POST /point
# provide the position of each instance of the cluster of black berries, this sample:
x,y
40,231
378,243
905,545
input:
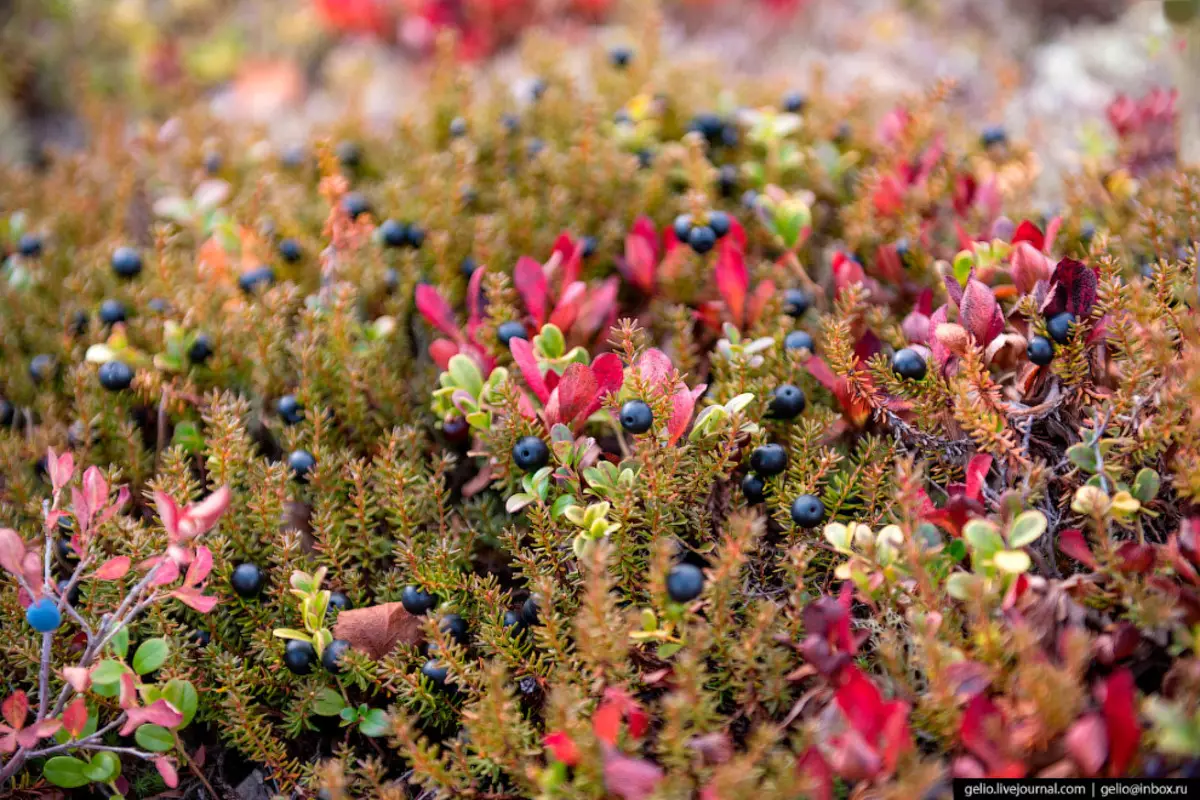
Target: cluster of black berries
x,y
702,237
396,233
1041,349
767,461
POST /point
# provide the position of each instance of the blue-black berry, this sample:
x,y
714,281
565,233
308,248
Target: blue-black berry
x,y
908,364
1059,327
796,302
1040,350
112,311
290,410
754,488
301,463
458,127
332,656
393,233
682,226
794,102
531,611
727,180
416,236
290,250
720,222
42,368
127,262
436,672
8,413
768,459
355,204
417,602
29,245
620,56
787,402
808,511
636,417
455,627
348,153
993,135
685,582
339,600
115,375
201,349
530,453
702,239
799,340
299,656
247,579
255,279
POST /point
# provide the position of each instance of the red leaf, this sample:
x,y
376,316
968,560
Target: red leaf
x,y
683,403
168,512
441,351
533,287
630,778
562,747
980,723
475,300
193,598
1120,717
733,281
574,394
115,507
160,712
599,309
166,768
61,468
758,301
1072,288
977,470
1135,558
113,569
815,770
95,489
1028,232
12,551
1029,266
526,361
570,253
29,737
606,722
860,700
15,708
168,572
1087,742
199,518
437,311
846,272
1073,543
567,309
610,376
201,565
75,717
979,312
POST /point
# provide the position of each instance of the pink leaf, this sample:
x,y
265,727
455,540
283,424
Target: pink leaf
x,y
437,311
683,403
1073,543
199,518
15,708
113,569
95,488
522,353
1028,267
115,508
1087,742
815,770
610,376
78,677
979,312
630,778
599,308
941,353
570,253
533,287
168,512
475,300
29,737
12,551
81,507
441,351
575,392
166,768
733,281
75,717
1120,717
1051,233
168,572
641,255
567,309
758,301
916,327
977,470
980,722
1028,232
201,565
160,712
192,598
127,697
61,468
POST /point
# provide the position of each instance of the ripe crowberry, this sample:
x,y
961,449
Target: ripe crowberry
x,y
702,239
299,656
212,163
42,368
290,250
436,672
355,204
247,579
78,324
787,402
349,154
126,262
796,302
290,410
768,460
636,417
799,340
112,311
252,280
393,233
1059,327
467,266
620,56
72,595
685,582
339,600
682,226
29,245
458,127
530,453
115,375
417,602
993,135
908,364
720,222
530,611
8,413
201,349
727,180
301,463
754,488
43,615
512,621
1040,351
416,236
332,656
808,511
794,102
455,627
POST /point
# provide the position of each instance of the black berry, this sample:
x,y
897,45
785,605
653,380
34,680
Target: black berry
x,y
201,637
255,279
768,459
41,367
682,227
290,410
636,417
127,262
112,311
355,204
212,163
754,488
720,222
157,305
73,595
530,611
787,402
78,324
29,245
530,453
620,56
290,250
458,127
416,236
247,579
708,125
332,656
1059,327
201,349
993,135
393,233
417,602
436,673
455,627
684,583
8,413
339,600
799,340
467,266
1040,350
349,154
796,302
589,246
794,102
513,621
908,364
702,239
301,463
808,511
299,656
115,375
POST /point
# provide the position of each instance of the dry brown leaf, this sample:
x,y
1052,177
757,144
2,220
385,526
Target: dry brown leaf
x,y
376,630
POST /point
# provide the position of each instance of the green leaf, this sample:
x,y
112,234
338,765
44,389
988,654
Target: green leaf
x,y
963,262
183,695
551,341
960,585
119,643
562,504
328,703
668,649
108,671
1083,456
1027,528
466,375
1014,562
348,714
291,633
150,655
66,771
1146,485
375,723
983,536
154,738
187,436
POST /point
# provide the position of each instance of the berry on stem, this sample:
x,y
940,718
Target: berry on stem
x,y
355,204
127,262
768,460
115,376
290,250
530,453
339,600
685,582
332,656
454,626
290,410
112,311
808,511
247,579
201,349
754,488
29,245
720,223
416,601
796,302
908,364
1059,327
530,611
436,673
393,233
301,463
787,402
636,417
702,239
507,331
1040,350
799,340
41,368
299,656
255,279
